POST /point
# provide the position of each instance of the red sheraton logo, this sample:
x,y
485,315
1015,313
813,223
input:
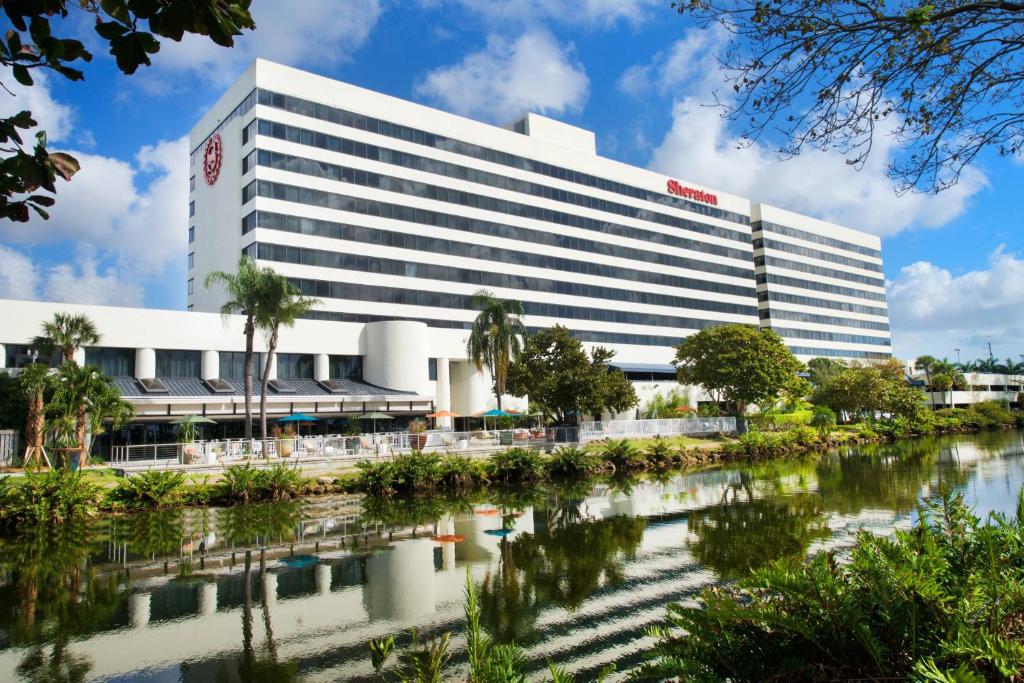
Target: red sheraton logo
x,y
674,187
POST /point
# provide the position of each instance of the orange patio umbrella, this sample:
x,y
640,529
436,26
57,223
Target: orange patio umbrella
x,y
442,413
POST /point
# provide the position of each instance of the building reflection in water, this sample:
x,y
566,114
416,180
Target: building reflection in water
x,y
573,574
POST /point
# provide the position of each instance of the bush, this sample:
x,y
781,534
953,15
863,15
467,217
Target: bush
x,y
416,472
570,461
941,602
777,422
517,465
56,496
756,445
280,482
992,414
459,471
623,455
245,484
660,453
152,489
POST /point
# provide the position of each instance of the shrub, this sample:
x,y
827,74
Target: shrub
x,y
570,461
151,489
823,419
240,483
622,455
280,482
992,414
659,453
244,484
517,464
417,471
941,602
54,496
458,471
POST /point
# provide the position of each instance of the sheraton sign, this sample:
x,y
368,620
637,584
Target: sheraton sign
x,y
674,187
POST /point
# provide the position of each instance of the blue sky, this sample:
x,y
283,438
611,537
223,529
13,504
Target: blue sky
x,y
633,71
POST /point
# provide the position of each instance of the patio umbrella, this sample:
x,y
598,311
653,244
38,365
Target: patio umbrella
x,y
442,413
375,416
298,418
189,421
494,412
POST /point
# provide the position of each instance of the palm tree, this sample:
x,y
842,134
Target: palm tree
x,y
282,304
85,398
66,333
925,364
943,383
245,290
986,365
34,380
496,338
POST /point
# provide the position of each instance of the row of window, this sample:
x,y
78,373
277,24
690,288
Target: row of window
x,y
790,248
243,108
430,271
773,279
583,335
399,132
788,333
816,238
818,270
401,240
415,162
392,295
784,298
838,353
322,169
798,316
477,226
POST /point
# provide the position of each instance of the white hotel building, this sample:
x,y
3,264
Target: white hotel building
x,y
394,214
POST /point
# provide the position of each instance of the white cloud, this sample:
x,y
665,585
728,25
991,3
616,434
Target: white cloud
x,y
311,33
690,61
53,117
18,276
82,282
700,147
589,13
509,78
934,311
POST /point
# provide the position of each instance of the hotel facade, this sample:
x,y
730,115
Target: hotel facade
x,y
394,214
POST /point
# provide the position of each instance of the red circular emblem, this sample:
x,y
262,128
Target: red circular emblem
x,y
212,158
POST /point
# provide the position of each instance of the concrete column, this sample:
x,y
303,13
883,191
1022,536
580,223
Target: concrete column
x,y
138,609
207,598
323,578
210,365
3,356
321,367
444,391
470,388
396,355
80,356
446,527
145,363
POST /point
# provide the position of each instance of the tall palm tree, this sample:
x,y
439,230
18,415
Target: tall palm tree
x,y
282,304
34,380
245,291
925,364
66,333
496,338
986,365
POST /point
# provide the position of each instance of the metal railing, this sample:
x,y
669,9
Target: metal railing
x,y
622,429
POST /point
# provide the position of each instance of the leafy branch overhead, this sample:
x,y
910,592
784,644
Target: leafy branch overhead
x,y
944,79
131,28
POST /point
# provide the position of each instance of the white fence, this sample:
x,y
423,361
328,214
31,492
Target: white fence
x,y
622,429
9,443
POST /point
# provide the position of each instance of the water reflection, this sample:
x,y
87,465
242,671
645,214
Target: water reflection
x,y
293,591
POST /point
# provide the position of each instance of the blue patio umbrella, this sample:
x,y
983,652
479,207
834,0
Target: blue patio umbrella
x,y
298,417
494,412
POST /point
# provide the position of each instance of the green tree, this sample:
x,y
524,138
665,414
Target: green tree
x,y
942,383
822,368
863,391
824,420
282,304
496,339
131,28
85,397
943,78
65,334
741,364
926,364
33,381
560,377
245,297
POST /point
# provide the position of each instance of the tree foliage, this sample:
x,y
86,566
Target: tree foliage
x,y
131,29
942,78
564,381
741,364
65,334
863,391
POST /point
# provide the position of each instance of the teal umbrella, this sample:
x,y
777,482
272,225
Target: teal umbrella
x,y
298,418
494,413
374,417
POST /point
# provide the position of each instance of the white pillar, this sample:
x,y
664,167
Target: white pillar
x,y
321,367
210,365
3,356
138,609
207,598
444,391
80,356
145,363
396,355
323,578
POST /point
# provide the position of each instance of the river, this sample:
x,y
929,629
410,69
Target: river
x,y
574,574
